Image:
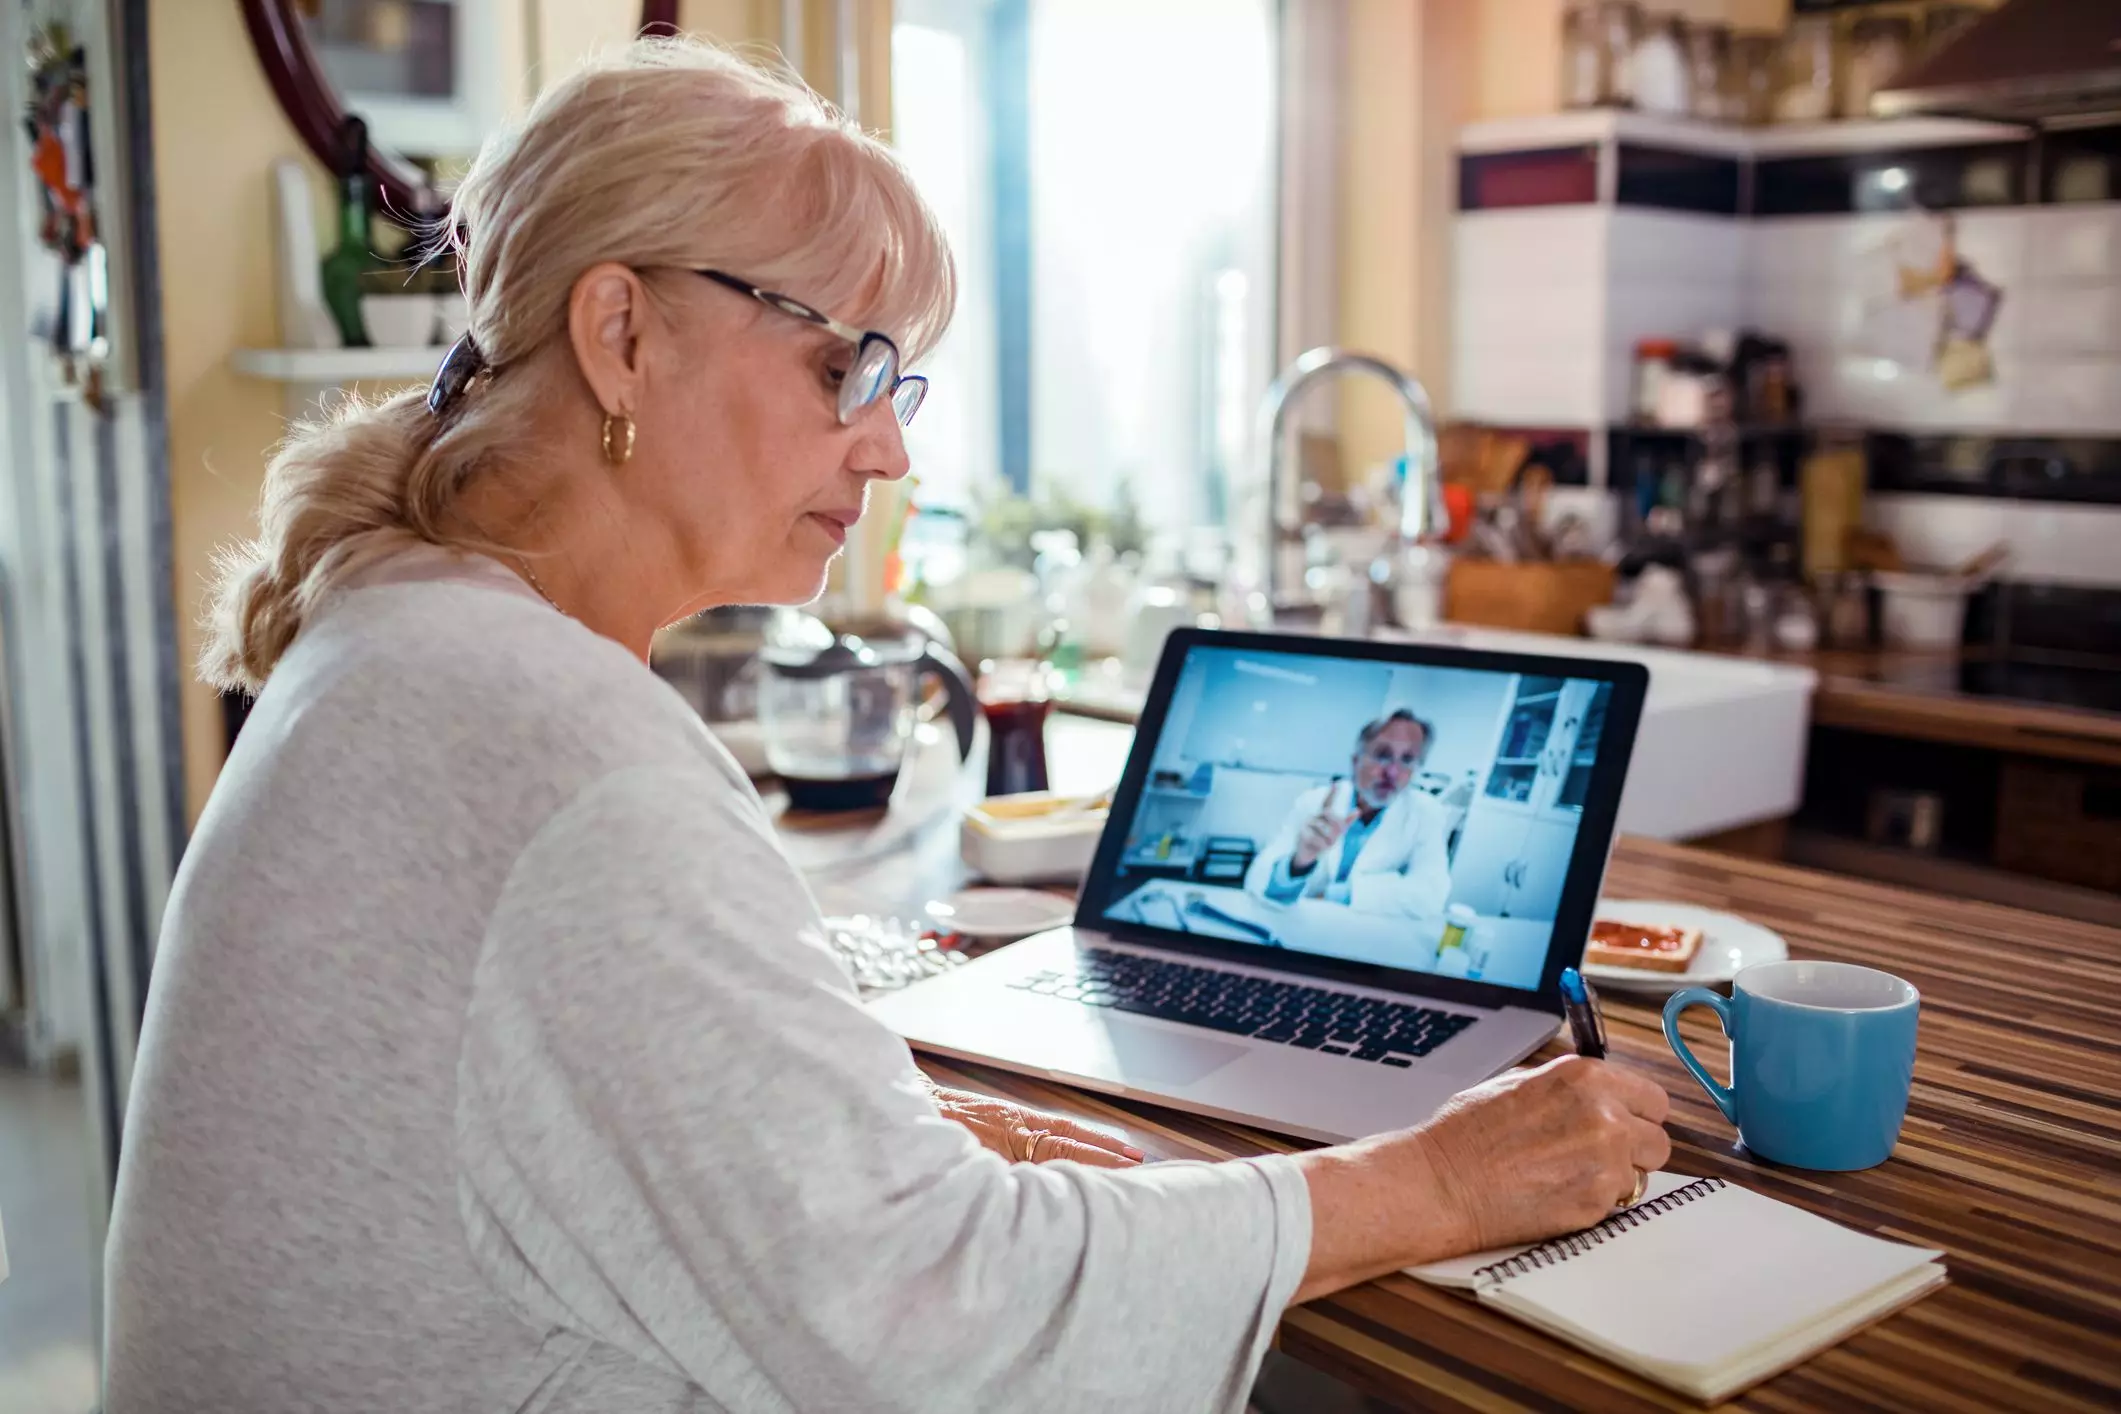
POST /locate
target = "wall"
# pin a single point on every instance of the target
(1464, 708)
(2056, 339)
(1415, 71)
(217, 131)
(1406, 93)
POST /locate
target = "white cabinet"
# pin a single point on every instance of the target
(1549, 742)
(1520, 832)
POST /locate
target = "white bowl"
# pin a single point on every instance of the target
(1921, 610)
(455, 313)
(399, 321)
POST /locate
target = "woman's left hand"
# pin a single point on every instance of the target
(1029, 1136)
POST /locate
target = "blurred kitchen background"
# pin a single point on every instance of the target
(1777, 345)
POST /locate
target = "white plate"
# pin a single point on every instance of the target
(1000, 913)
(1728, 943)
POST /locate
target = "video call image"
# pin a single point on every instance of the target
(1420, 818)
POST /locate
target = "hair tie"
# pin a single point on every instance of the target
(460, 365)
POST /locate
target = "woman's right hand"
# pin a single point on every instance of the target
(1524, 1157)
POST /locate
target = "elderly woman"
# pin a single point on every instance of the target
(494, 1059)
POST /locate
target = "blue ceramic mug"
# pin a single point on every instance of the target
(1822, 1054)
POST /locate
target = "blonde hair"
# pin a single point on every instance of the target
(665, 153)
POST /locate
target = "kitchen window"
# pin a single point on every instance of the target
(1105, 171)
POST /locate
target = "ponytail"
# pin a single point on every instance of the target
(335, 499)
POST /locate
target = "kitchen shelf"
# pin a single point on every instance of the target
(1597, 125)
(326, 366)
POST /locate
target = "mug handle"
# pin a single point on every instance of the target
(1726, 1099)
(959, 700)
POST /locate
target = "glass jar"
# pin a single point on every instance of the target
(1879, 45)
(1941, 23)
(1619, 33)
(1583, 83)
(1662, 83)
(1708, 55)
(1752, 77)
(1653, 366)
(1804, 92)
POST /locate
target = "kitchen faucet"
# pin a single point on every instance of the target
(1420, 521)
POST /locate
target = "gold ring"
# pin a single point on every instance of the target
(1642, 1184)
(1031, 1144)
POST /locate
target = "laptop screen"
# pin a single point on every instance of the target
(1416, 815)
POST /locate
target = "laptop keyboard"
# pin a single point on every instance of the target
(1264, 1008)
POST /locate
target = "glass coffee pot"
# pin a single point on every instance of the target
(838, 706)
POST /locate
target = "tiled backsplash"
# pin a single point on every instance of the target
(1822, 282)
(1689, 227)
(1550, 301)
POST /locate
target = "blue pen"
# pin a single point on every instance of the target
(1580, 1004)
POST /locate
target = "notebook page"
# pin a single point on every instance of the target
(1458, 1271)
(1708, 1283)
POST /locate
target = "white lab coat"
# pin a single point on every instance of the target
(1404, 866)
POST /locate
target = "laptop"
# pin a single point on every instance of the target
(1338, 885)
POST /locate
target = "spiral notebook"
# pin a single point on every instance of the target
(1704, 1287)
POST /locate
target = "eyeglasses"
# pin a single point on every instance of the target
(1381, 754)
(874, 372)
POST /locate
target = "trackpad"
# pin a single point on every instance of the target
(1147, 1056)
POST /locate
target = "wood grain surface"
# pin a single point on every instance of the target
(2010, 1162)
(1916, 694)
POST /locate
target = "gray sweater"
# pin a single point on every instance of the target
(494, 1061)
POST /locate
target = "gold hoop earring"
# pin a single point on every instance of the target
(618, 438)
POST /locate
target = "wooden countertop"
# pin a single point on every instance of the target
(1916, 693)
(2010, 1160)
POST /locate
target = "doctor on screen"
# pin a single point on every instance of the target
(1370, 842)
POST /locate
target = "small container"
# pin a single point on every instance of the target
(453, 313)
(1941, 23)
(1015, 698)
(1619, 32)
(1919, 610)
(1752, 78)
(1689, 392)
(1910, 819)
(1879, 47)
(1805, 91)
(1458, 920)
(1583, 65)
(1848, 612)
(1033, 838)
(1708, 57)
(399, 321)
(1653, 366)
(1662, 84)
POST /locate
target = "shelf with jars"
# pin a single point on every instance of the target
(1593, 126)
(1632, 54)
